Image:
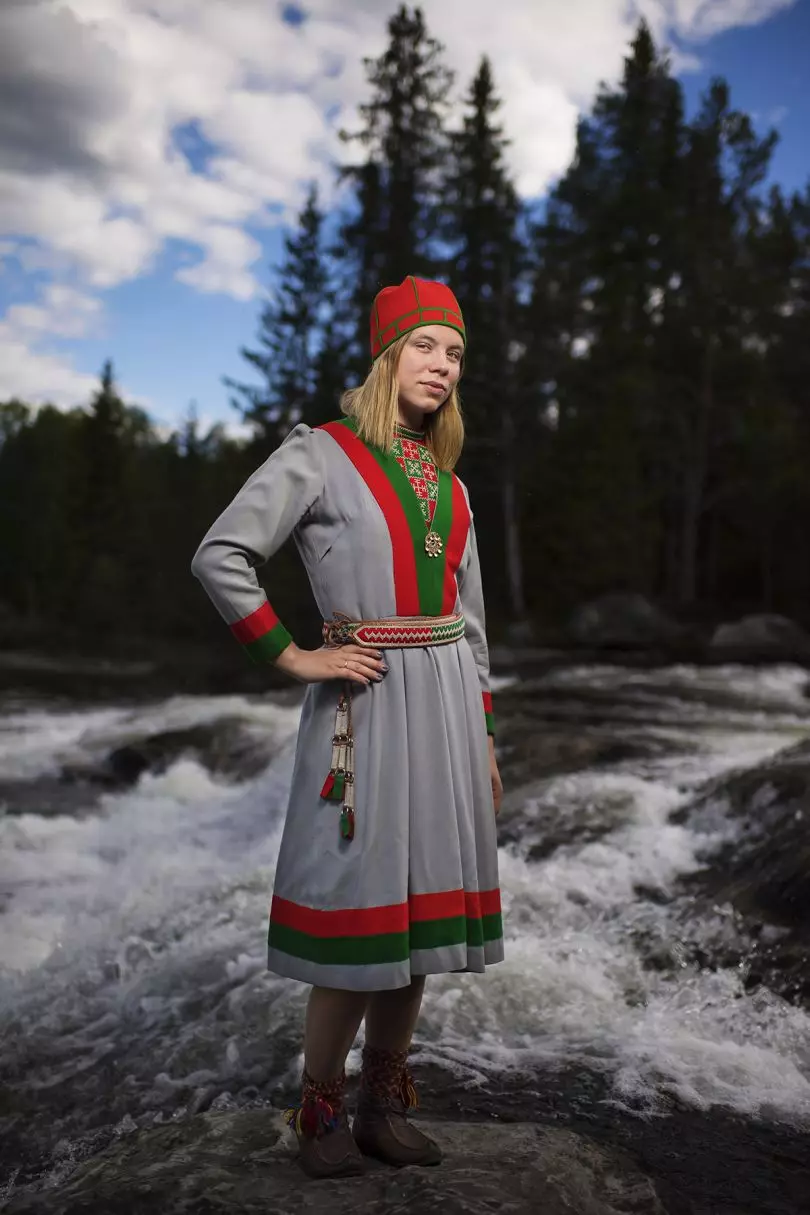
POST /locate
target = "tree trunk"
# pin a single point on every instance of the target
(694, 481)
(514, 557)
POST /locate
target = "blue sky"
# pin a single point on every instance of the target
(156, 145)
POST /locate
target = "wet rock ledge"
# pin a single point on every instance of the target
(246, 1162)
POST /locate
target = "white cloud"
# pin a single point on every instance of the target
(64, 312)
(28, 369)
(95, 96)
(92, 168)
(700, 19)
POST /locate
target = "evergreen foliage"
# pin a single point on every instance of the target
(634, 389)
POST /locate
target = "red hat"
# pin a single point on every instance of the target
(415, 302)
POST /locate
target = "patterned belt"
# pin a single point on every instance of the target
(397, 632)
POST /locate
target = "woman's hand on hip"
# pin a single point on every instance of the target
(351, 662)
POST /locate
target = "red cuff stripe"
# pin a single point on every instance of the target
(487, 701)
(254, 626)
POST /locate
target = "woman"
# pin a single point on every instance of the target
(387, 870)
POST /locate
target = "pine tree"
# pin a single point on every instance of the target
(484, 265)
(396, 185)
(290, 339)
(604, 261)
(486, 258)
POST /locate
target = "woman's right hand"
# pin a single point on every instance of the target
(351, 662)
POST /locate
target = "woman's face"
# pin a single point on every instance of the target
(429, 367)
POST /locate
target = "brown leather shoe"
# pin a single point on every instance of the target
(331, 1153)
(381, 1129)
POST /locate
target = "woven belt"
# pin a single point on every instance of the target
(397, 632)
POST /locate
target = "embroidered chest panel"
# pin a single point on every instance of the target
(414, 497)
(416, 461)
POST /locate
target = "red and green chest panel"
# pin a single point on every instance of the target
(415, 459)
(411, 501)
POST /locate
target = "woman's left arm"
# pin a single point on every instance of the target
(471, 596)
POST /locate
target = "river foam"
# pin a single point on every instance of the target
(138, 931)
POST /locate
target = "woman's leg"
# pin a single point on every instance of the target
(391, 1016)
(386, 1089)
(327, 1146)
(332, 1021)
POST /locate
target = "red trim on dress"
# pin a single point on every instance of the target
(349, 922)
(378, 921)
(442, 906)
(456, 542)
(406, 587)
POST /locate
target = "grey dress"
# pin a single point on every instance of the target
(416, 890)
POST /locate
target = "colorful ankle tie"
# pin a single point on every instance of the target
(320, 1107)
(385, 1076)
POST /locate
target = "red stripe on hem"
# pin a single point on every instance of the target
(490, 901)
(456, 542)
(443, 905)
(487, 696)
(254, 626)
(377, 921)
(449, 903)
(348, 922)
(406, 587)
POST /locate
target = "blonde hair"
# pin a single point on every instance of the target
(374, 406)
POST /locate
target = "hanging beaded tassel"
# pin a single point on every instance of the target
(339, 783)
(347, 813)
(335, 784)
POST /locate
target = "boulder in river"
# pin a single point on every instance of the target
(245, 1161)
(622, 619)
(767, 634)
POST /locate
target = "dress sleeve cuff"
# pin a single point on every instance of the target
(262, 635)
(489, 717)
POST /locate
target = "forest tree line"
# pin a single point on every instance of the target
(635, 390)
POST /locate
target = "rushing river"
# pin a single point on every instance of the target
(133, 986)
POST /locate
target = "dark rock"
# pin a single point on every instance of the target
(766, 634)
(764, 875)
(622, 619)
(246, 1161)
(226, 747)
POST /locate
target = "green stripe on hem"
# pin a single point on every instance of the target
(268, 647)
(490, 720)
(386, 947)
(340, 951)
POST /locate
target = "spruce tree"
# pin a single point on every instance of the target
(392, 225)
(289, 339)
(485, 258)
(484, 265)
(604, 261)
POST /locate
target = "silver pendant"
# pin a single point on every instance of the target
(434, 545)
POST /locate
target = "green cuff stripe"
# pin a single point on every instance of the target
(490, 720)
(268, 647)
